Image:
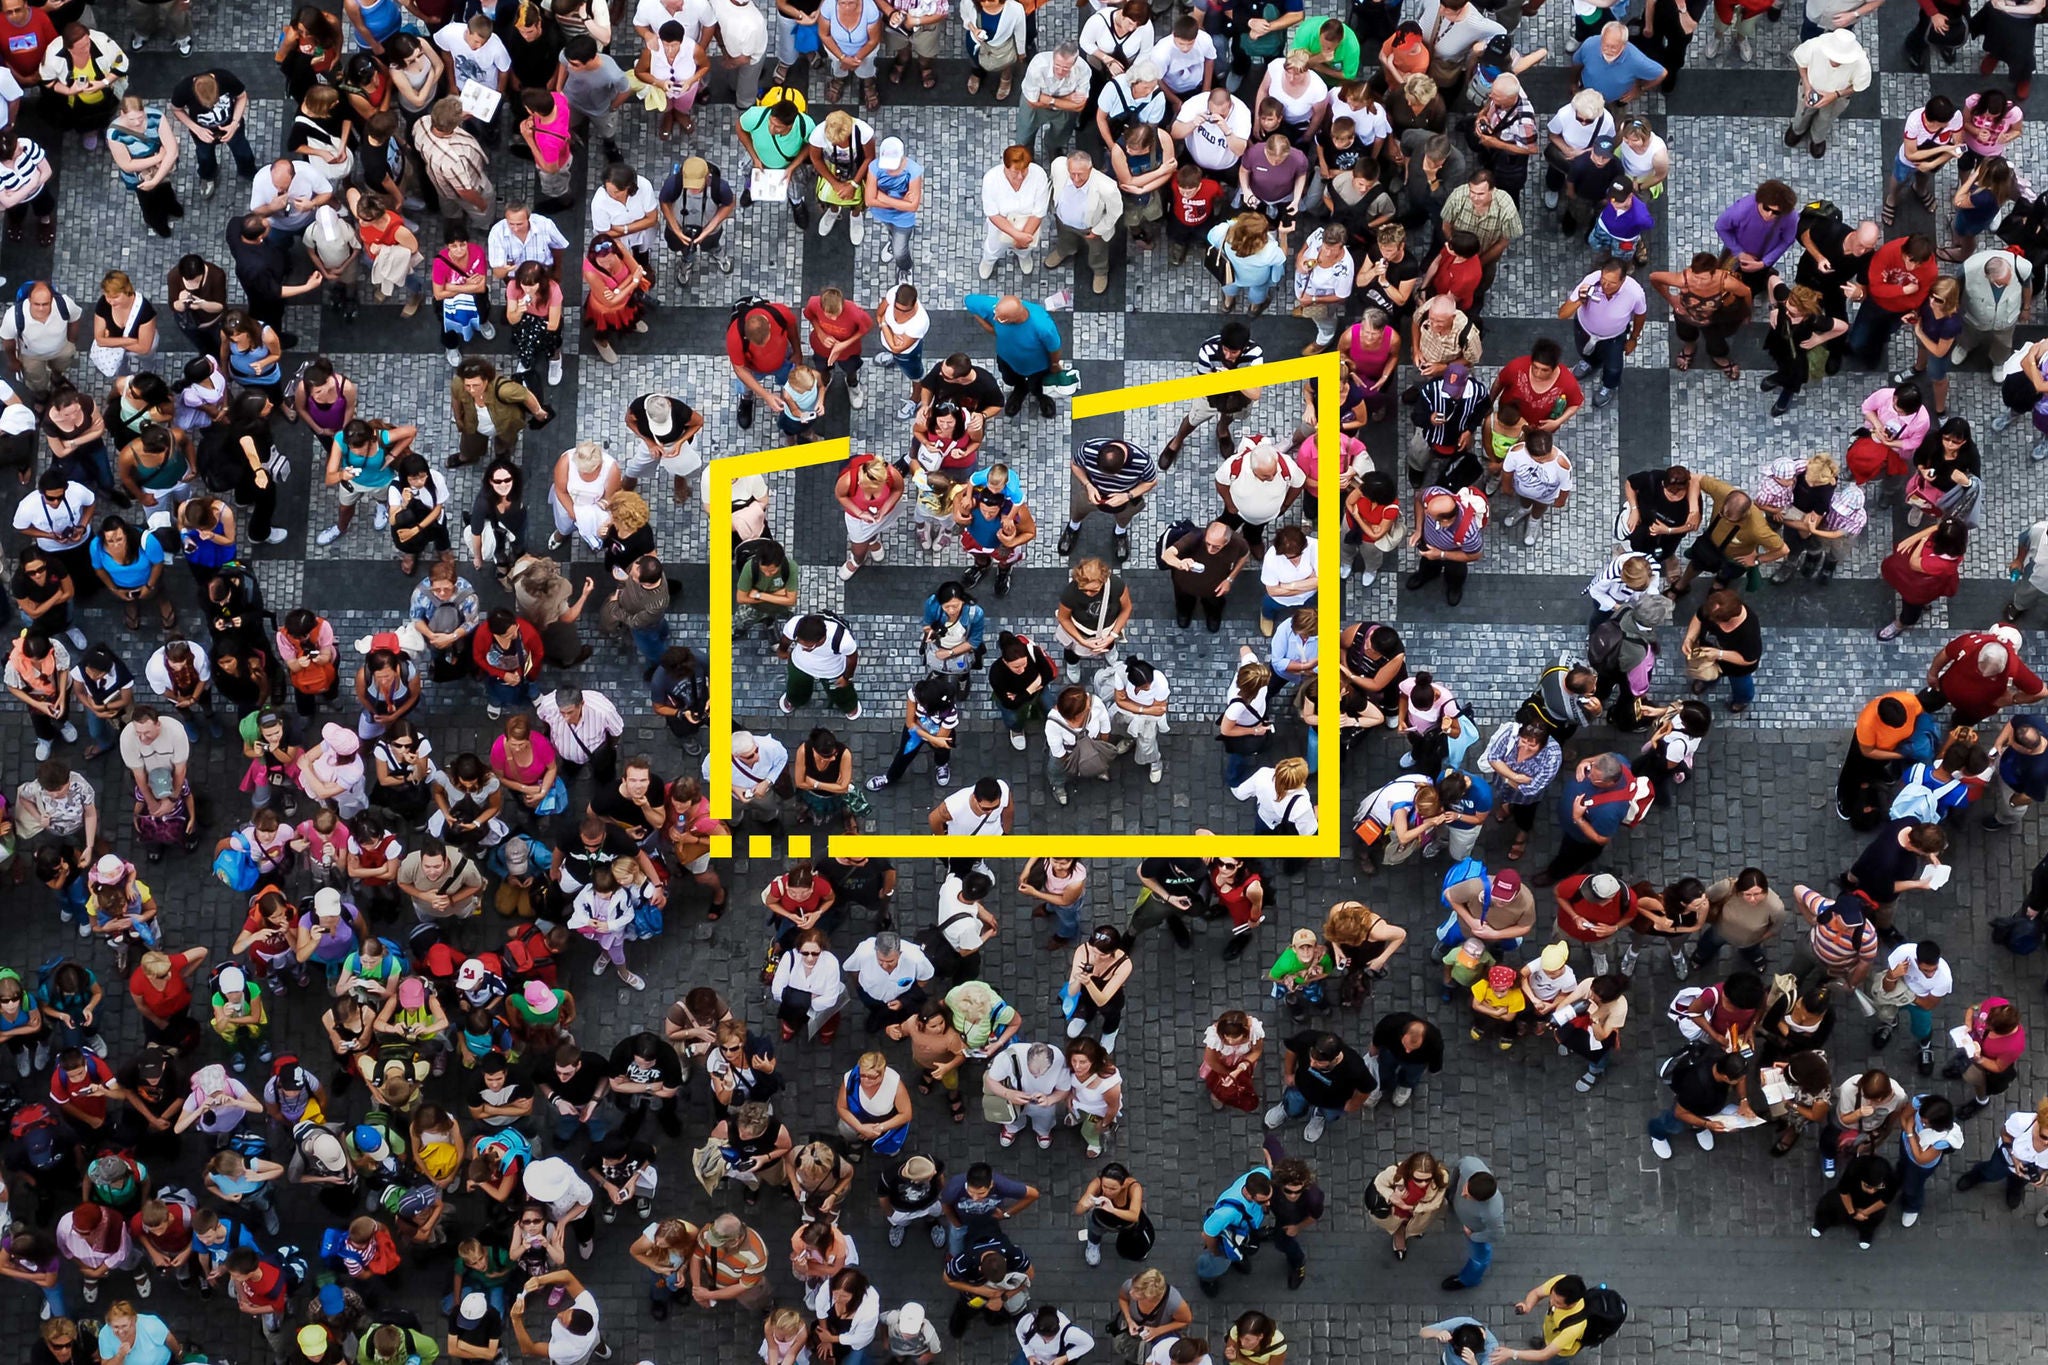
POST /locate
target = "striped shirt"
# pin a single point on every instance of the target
(1211, 357)
(453, 162)
(1139, 466)
(1842, 937)
(1462, 534)
(18, 174)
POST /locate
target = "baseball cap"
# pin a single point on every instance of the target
(889, 156)
(1456, 373)
(910, 1319)
(538, 996)
(313, 1339)
(291, 1076)
(152, 1064)
(1555, 956)
(474, 1306)
(231, 980)
(368, 1140)
(470, 976)
(327, 903)
(1603, 886)
(412, 993)
(695, 172)
(1604, 145)
(1507, 884)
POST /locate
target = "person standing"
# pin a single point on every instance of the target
(1027, 344)
(1476, 1200)
(1607, 310)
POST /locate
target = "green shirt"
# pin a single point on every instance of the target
(1289, 963)
(753, 579)
(777, 151)
(1461, 973)
(1308, 38)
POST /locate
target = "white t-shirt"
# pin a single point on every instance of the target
(1259, 500)
(910, 330)
(1543, 481)
(742, 31)
(1209, 143)
(1579, 136)
(1371, 123)
(481, 64)
(1018, 204)
(45, 338)
(1060, 732)
(1942, 982)
(961, 817)
(2025, 1149)
(959, 925)
(693, 15)
(912, 966)
(826, 661)
(1153, 694)
(1182, 70)
(1278, 568)
(607, 213)
(564, 1346)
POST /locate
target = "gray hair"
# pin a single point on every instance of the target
(1040, 1057)
(568, 696)
(1077, 157)
(1992, 660)
(888, 943)
(2000, 265)
(1069, 49)
(1606, 768)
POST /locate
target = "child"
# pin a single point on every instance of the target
(323, 842)
(202, 395)
(1500, 432)
(1540, 477)
(1497, 1003)
(1298, 973)
(803, 402)
(938, 499)
(1674, 741)
(1464, 965)
(240, 1016)
(604, 914)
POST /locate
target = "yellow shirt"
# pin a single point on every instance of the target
(1567, 1339)
(1512, 1000)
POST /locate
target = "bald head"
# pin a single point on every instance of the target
(1010, 308)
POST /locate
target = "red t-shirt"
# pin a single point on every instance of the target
(771, 354)
(1577, 907)
(1539, 407)
(1193, 206)
(175, 1236)
(97, 1072)
(171, 998)
(1459, 279)
(266, 1289)
(1897, 285)
(828, 331)
(1970, 691)
(25, 46)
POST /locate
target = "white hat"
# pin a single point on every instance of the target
(910, 1319)
(110, 867)
(889, 156)
(327, 903)
(231, 980)
(548, 1179)
(1839, 45)
(474, 1306)
(470, 975)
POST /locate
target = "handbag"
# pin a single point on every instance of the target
(235, 867)
(996, 56)
(1070, 1000)
(803, 38)
(1217, 262)
(1702, 667)
(1377, 1205)
(1128, 1345)
(556, 801)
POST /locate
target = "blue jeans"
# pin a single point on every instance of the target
(1913, 1184)
(769, 379)
(1277, 611)
(100, 732)
(1606, 353)
(1211, 1265)
(1742, 690)
(1871, 330)
(651, 641)
(1709, 944)
(1237, 767)
(511, 694)
(1297, 1105)
(238, 147)
(1015, 720)
(659, 1290)
(1478, 1256)
(1667, 1126)
(1408, 1075)
(1066, 919)
(911, 362)
(54, 1298)
(567, 1126)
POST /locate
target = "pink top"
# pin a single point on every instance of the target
(543, 755)
(317, 843)
(1988, 136)
(1307, 458)
(2006, 1048)
(323, 640)
(1895, 428)
(445, 272)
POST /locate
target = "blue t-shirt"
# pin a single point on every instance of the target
(1234, 1208)
(1477, 801)
(2026, 774)
(896, 184)
(151, 1336)
(1605, 816)
(1026, 347)
(1612, 79)
(134, 575)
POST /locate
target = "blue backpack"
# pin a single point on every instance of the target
(235, 866)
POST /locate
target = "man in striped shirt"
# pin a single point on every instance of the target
(1113, 476)
(1447, 530)
(455, 161)
(1227, 350)
(1843, 942)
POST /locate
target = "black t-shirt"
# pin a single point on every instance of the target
(174, 1085)
(581, 1087)
(1745, 639)
(978, 393)
(667, 1068)
(611, 804)
(485, 1331)
(681, 414)
(533, 62)
(1830, 238)
(1088, 608)
(1696, 1088)
(222, 110)
(264, 267)
(909, 1195)
(1013, 689)
(1653, 502)
(1331, 1087)
(144, 314)
(1590, 182)
(857, 884)
(581, 862)
(1886, 863)
(1180, 876)
(1398, 273)
(1386, 1036)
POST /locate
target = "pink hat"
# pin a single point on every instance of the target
(412, 993)
(1500, 978)
(538, 996)
(340, 739)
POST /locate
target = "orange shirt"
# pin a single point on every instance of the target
(1873, 733)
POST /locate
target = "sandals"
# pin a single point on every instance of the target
(974, 83)
(1889, 212)
(1727, 367)
(131, 616)
(1684, 361)
(1518, 848)
(926, 75)
(46, 232)
(1003, 88)
(833, 89)
(870, 96)
(898, 69)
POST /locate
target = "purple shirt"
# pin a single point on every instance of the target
(1745, 231)
(1438, 537)
(1603, 316)
(1625, 225)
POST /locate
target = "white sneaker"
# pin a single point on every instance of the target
(1312, 1131)
(1906, 1220)
(70, 733)
(1059, 794)
(145, 1284)
(1529, 533)
(454, 357)
(633, 979)
(1026, 265)
(1743, 49)
(1017, 740)
(984, 269)
(487, 331)
(1661, 1148)
(328, 536)
(383, 518)
(906, 410)
(854, 397)
(1091, 1252)
(1550, 199)
(278, 536)
(1365, 578)
(21, 1063)
(857, 228)
(555, 370)
(827, 220)
(184, 46)
(1158, 772)
(42, 755)
(1705, 1137)
(1401, 1094)
(1372, 1101)
(1276, 1115)
(601, 966)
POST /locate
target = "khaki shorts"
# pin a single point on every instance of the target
(924, 42)
(351, 495)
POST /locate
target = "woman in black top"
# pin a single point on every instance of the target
(43, 593)
(1019, 676)
(1799, 324)
(1946, 470)
(627, 534)
(1726, 633)
(77, 437)
(235, 457)
(497, 518)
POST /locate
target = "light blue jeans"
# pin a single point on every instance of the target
(1254, 282)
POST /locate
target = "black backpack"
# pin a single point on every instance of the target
(1603, 1311)
(1603, 646)
(1170, 537)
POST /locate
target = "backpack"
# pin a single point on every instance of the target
(753, 303)
(836, 628)
(61, 305)
(292, 1261)
(1603, 646)
(528, 957)
(1087, 756)
(1819, 210)
(1170, 537)
(1638, 792)
(235, 866)
(1920, 802)
(776, 94)
(1603, 1311)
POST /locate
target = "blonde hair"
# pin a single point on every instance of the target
(1822, 469)
(1091, 570)
(587, 455)
(117, 283)
(838, 125)
(1290, 774)
(1948, 292)
(1150, 1280)
(629, 511)
(1419, 88)
(784, 1322)
(155, 965)
(323, 100)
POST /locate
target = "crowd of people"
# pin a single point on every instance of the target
(369, 1052)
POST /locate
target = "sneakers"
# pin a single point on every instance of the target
(21, 1063)
(1710, 40)
(1313, 1130)
(2004, 420)
(938, 1234)
(1908, 1218)
(1550, 199)
(984, 269)
(828, 220)
(555, 371)
(1026, 265)
(745, 415)
(383, 517)
(856, 228)
(1743, 50)
(853, 712)
(328, 536)
(1881, 1036)
(1602, 396)
(601, 966)
(896, 1234)
(1584, 1085)
(43, 751)
(1705, 1137)
(1017, 740)
(1582, 369)
(1157, 772)
(906, 410)
(278, 536)
(1661, 1148)
(1529, 529)
(488, 331)
(145, 1284)
(1091, 1252)
(1276, 1115)
(184, 46)
(853, 393)
(70, 733)
(1401, 1095)
(454, 357)
(783, 702)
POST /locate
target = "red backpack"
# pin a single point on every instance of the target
(528, 957)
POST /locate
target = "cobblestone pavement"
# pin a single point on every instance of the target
(1710, 1251)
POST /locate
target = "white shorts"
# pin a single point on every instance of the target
(639, 463)
(351, 494)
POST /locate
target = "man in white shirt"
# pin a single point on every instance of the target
(1257, 484)
(1055, 92)
(902, 323)
(521, 236)
(983, 808)
(1186, 59)
(584, 727)
(819, 649)
(1087, 209)
(58, 514)
(39, 335)
(476, 53)
(1215, 130)
(625, 209)
(1281, 795)
(288, 193)
(1034, 1078)
(758, 762)
(1915, 982)
(650, 15)
(743, 46)
(572, 1333)
(889, 977)
(1014, 200)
